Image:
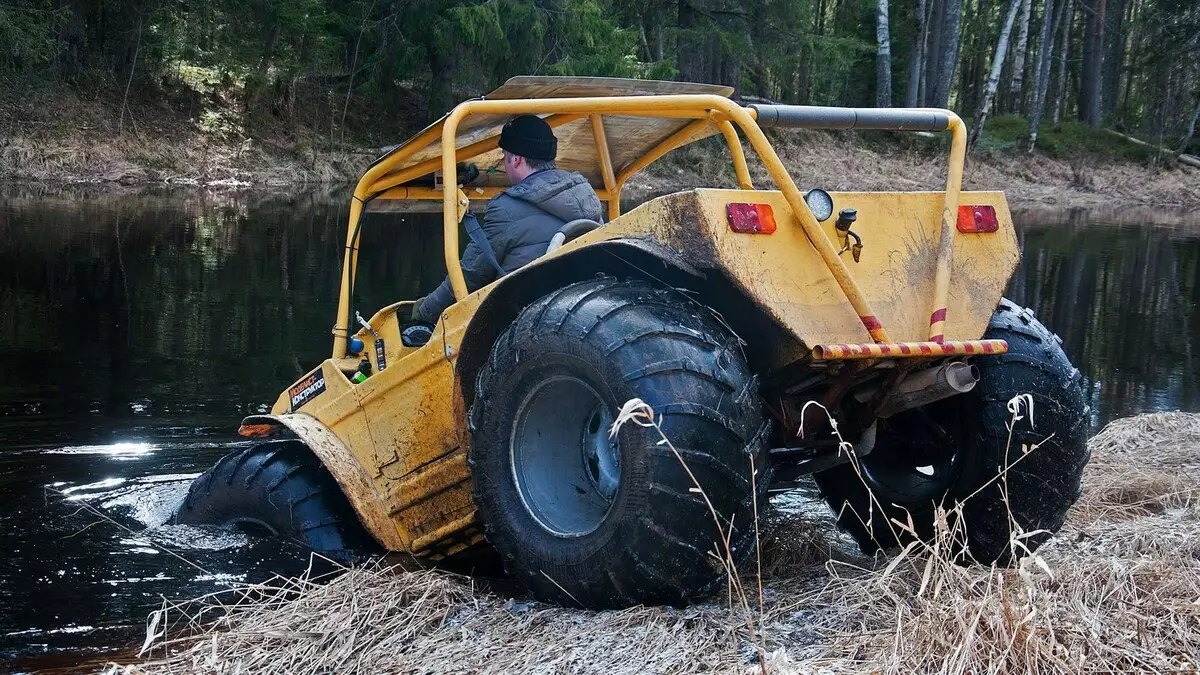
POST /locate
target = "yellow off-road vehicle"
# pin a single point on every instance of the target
(724, 310)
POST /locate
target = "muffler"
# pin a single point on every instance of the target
(927, 386)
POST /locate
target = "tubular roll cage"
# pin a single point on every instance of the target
(707, 111)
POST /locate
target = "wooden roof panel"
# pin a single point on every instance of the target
(629, 136)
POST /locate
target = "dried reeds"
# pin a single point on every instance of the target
(1117, 590)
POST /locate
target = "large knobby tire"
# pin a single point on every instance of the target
(951, 452)
(585, 519)
(277, 488)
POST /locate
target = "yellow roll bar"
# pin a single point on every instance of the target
(708, 111)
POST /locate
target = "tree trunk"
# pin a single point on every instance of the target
(689, 53)
(441, 80)
(1060, 87)
(1114, 56)
(883, 60)
(933, 52)
(71, 56)
(1016, 87)
(949, 54)
(1041, 81)
(1191, 128)
(917, 57)
(994, 78)
(973, 68)
(1093, 56)
(804, 76)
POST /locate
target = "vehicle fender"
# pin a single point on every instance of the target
(349, 473)
(573, 262)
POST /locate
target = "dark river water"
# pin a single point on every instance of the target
(137, 330)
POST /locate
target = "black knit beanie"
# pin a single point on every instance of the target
(529, 136)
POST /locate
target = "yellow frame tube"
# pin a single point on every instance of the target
(341, 325)
(600, 138)
(705, 109)
(424, 193)
(738, 155)
(461, 154)
(675, 140)
(945, 260)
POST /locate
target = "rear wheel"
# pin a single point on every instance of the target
(277, 488)
(586, 519)
(952, 452)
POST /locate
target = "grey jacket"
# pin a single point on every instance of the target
(519, 224)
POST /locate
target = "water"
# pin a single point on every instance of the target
(136, 331)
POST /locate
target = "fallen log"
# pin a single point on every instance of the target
(1182, 158)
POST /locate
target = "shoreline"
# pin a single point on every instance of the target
(832, 161)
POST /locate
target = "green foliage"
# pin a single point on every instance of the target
(29, 33)
(1071, 140)
(328, 58)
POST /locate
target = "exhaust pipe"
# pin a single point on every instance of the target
(930, 385)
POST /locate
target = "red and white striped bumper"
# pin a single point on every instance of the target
(876, 350)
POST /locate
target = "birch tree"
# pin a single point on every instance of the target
(994, 77)
(1016, 94)
(1041, 80)
(883, 60)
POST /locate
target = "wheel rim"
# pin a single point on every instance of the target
(918, 460)
(565, 467)
(254, 526)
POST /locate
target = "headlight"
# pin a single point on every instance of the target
(820, 203)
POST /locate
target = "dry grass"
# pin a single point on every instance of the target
(1117, 590)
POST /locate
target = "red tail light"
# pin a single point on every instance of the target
(750, 218)
(977, 219)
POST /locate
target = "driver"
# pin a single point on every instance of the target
(519, 222)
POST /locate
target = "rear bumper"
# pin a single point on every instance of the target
(841, 352)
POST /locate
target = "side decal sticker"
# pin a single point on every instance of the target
(307, 389)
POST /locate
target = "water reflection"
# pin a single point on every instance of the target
(1122, 289)
(137, 330)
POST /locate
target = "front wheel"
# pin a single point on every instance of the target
(585, 518)
(277, 488)
(954, 453)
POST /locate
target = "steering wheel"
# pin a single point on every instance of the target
(571, 231)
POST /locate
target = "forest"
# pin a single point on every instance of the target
(1132, 66)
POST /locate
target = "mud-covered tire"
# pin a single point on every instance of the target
(963, 442)
(648, 542)
(277, 488)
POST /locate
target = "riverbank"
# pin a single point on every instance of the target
(182, 138)
(1115, 590)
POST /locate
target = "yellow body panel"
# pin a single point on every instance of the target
(785, 276)
(400, 425)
